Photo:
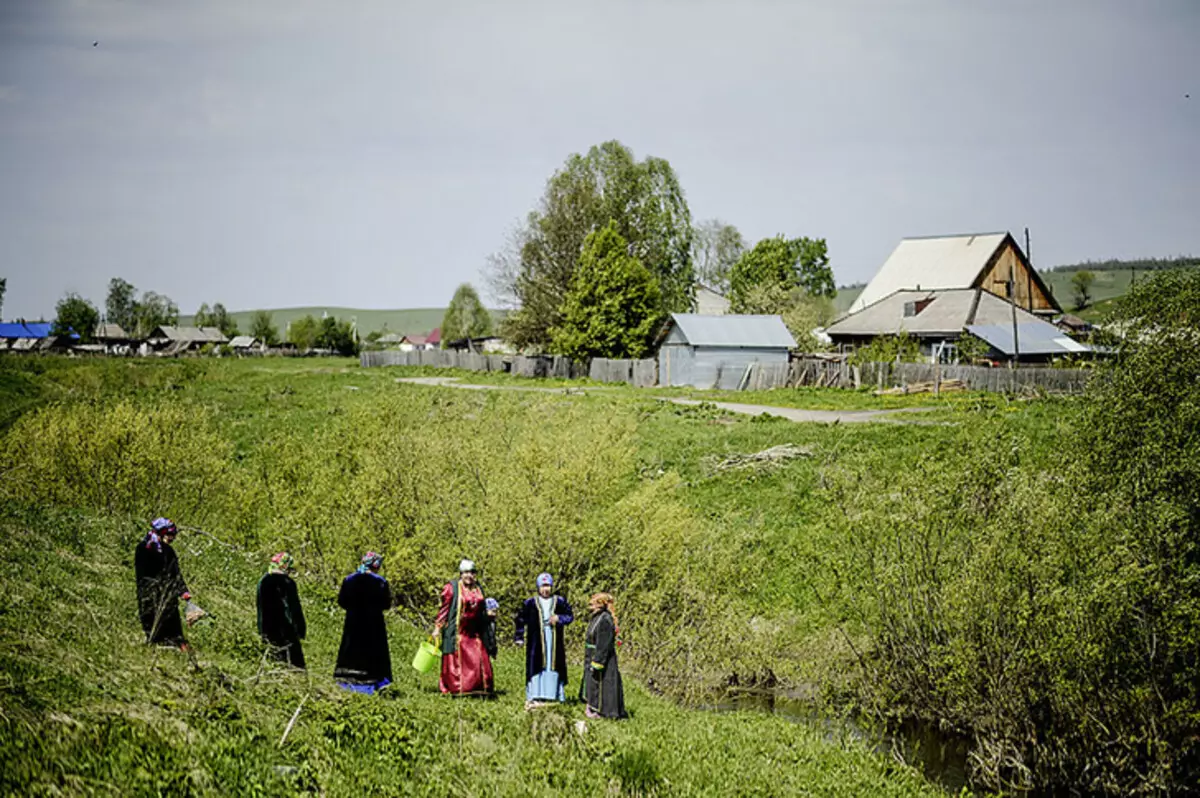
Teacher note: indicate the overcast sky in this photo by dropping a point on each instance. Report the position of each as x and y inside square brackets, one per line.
[373, 153]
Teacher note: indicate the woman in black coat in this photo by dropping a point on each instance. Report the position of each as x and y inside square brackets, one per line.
[364, 663]
[280, 617]
[602, 688]
[160, 585]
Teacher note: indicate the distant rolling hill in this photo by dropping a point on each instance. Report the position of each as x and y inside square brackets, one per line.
[413, 321]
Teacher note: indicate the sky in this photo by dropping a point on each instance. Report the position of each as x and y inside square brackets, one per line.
[373, 153]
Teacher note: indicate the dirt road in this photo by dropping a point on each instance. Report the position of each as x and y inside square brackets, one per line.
[790, 413]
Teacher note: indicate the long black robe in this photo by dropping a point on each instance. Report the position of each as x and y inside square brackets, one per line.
[363, 657]
[602, 685]
[159, 587]
[530, 617]
[281, 619]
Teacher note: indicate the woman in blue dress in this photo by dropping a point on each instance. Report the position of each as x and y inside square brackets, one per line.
[541, 620]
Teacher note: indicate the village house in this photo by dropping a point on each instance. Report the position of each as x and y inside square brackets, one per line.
[167, 340]
[974, 260]
[716, 351]
[710, 302]
[32, 336]
[938, 320]
[939, 289]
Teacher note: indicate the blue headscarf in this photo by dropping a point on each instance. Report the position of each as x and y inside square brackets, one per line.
[545, 579]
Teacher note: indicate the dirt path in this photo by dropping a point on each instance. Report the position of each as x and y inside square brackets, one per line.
[790, 413]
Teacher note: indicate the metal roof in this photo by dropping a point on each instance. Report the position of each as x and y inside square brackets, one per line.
[203, 334]
[942, 313]
[28, 329]
[742, 331]
[934, 263]
[243, 341]
[1033, 338]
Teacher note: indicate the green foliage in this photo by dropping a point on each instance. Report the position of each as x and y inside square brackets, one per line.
[337, 336]
[1138, 264]
[784, 264]
[303, 332]
[972, 349]
[216, 317]
[613, 308]
[74, 314]
[901, 348]
[802, 313]
[153, 310]
[716, 247]
[466, 317]
[1081, 285]
[263, 328]
[537, 270]
[120, 458]
[120, 305]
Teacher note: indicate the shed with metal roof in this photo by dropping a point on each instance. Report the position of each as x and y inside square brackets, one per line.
[715, 351]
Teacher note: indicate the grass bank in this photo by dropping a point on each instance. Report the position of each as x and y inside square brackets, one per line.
[87, 709]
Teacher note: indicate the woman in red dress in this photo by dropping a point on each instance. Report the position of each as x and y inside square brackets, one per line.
[462, 623]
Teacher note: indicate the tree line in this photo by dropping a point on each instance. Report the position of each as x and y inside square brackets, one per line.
[138, 316]
[1136, 264]
[611, 250]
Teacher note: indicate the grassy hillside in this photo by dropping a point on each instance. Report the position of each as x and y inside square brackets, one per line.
[324, 459]
[919, 571]
[86, 708]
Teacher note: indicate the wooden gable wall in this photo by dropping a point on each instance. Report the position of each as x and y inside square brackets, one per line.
[1031, 293]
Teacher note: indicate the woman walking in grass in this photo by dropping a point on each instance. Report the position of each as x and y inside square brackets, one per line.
[280, 618]
[160, 585]
[602, 688]
[364, 663]
[462, 626]
[544, 616]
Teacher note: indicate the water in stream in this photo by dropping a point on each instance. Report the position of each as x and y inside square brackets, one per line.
[942, 758]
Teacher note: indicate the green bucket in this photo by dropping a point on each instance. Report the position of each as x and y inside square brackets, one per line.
[426, 657]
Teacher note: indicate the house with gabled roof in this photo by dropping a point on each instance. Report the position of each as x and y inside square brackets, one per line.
[938, 320]
[987, 261]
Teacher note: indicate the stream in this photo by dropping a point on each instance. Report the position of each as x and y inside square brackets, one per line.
[941, 757]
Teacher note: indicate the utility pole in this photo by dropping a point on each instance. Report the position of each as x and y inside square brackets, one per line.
[1012, 301]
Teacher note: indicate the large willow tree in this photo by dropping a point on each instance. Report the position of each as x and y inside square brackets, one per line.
[644, 201]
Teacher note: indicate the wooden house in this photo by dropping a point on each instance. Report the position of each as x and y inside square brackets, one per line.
[975, 260]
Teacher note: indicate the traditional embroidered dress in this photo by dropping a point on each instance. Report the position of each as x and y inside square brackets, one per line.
[463, 618]
[364, 662]
[601, 677]
[280, 618]
[160, 585]
[545, 654]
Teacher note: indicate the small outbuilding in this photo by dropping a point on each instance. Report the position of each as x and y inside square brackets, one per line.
[717, 351]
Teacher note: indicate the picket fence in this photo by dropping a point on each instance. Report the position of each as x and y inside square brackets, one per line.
[801, 371]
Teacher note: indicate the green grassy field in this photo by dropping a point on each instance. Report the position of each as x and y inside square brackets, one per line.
[955, 542]
[86, 709]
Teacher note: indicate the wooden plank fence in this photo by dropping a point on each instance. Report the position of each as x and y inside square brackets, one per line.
[801, 371]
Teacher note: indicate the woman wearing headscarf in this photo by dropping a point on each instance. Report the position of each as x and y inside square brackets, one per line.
[364, 663]
[544, 616]
[602, 688]
[462, 626]
[160, 585]
[280, 618]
